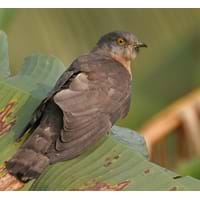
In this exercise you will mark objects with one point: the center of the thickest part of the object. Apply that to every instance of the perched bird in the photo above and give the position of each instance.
(88, 98)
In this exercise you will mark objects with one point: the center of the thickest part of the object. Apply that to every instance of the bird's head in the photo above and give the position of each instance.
(122, 46)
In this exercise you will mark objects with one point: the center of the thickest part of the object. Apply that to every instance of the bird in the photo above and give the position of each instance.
(86, 101)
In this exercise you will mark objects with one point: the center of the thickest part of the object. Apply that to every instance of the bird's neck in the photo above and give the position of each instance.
(125, 63)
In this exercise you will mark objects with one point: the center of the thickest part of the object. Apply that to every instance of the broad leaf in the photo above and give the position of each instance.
(20, 95)
(113, 165)
(4, 62)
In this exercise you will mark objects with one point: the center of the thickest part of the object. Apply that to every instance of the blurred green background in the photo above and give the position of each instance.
(165, 71)
(168, 69)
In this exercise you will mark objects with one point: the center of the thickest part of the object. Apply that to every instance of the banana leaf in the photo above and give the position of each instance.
(4, 61)
(119, 161)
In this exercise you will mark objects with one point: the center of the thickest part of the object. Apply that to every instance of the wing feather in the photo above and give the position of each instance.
(36, 116)
(90, 105)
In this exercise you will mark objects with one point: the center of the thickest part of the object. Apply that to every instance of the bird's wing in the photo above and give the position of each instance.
(90, 106)
(61, 82)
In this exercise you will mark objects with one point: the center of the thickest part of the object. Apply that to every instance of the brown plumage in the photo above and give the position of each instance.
(90, 96)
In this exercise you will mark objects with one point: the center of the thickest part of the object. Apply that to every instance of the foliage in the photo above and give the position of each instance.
(4, 62)
(190, 168)
(6, 16)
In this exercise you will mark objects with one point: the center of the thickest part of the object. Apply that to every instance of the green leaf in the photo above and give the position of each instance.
(38, 74)
(21, 94)
(131, 138)
(112, 165)
(117, 162)
(4, 61)
(6, 16)
(190, 167)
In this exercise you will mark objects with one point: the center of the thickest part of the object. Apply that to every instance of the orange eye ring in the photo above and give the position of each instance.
(121, 41)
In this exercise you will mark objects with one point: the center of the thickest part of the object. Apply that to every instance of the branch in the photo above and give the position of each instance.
(183, 113)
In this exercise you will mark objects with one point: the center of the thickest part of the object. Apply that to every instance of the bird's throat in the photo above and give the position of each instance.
(126, 63)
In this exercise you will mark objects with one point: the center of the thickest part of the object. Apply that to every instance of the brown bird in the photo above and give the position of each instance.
(88, 98)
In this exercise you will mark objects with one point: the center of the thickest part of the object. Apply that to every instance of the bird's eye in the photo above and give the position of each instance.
(120, 41)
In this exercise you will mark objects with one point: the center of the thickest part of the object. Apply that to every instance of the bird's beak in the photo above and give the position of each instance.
(141, 44)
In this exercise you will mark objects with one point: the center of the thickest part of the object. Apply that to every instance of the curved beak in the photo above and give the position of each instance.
(141, 44)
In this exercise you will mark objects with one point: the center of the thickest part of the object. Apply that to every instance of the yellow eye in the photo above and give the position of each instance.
(120, 41)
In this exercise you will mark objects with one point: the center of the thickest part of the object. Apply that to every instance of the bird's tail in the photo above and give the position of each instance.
(27, 164)
(30, 160)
